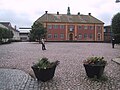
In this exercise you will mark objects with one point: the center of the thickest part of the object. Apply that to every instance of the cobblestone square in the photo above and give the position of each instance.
(69, 75)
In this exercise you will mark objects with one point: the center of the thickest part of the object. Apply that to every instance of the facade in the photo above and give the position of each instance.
(8, 25)
(108, 34)
(69, 27)
(24, 33)
(24, 36)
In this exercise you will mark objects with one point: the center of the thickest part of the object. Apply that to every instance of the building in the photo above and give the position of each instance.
(70, 27)
(107, 33)
(24, 33)
(8, 25)
(24, 36)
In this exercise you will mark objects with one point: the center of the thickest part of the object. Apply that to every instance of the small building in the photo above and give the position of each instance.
(8, 25)
(72, 27)
(24, 34)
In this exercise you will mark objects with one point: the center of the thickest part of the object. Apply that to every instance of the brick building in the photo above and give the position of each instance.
(69, 27)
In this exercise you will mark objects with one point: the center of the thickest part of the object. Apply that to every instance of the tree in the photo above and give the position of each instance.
(38, 31)
(1, 29)
(116, 27)
(5, 34)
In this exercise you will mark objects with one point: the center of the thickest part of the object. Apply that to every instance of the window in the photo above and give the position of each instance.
(85, 36)
(105, 30)
(62, 26)
(91, 36)
(49, 26)
(55, 18)
(91, 27)
(85, 27)
(55, 35)
(61, 35)
(55, 26)
(80, 36)
(49, 35)
(79, 27)
(99, 27)
(71, 28)
(99, 36)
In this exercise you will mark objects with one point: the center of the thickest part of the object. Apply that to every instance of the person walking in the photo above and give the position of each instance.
(43, 44)
(113, 42)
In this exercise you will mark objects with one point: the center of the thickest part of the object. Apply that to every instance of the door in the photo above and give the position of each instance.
(70, 36)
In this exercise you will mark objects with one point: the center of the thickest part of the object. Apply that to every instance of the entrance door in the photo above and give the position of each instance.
(70, 36)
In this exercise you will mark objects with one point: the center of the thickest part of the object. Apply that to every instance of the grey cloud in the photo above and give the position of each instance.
(106, 18)
(20, 20)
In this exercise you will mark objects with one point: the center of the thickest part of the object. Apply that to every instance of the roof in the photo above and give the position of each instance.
(69, 18)
(107, 26)
(2, 26)
(8, 25)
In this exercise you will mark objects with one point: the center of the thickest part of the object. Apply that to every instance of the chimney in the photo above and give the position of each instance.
(89, 14)
(78, 13)
(46, 12)
(15, 27)
(57, 13)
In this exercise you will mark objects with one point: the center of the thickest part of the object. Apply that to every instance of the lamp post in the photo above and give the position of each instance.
(117, 1)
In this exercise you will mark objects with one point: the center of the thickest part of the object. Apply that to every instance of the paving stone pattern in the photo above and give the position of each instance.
(69, 75)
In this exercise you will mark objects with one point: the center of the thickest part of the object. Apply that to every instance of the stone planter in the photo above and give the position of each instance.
(94, 70)
(44, 74)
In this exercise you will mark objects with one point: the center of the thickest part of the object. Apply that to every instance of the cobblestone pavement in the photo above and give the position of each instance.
(12, 79)
(69, 75)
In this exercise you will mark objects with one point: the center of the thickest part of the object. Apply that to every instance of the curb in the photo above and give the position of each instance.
(117, 60)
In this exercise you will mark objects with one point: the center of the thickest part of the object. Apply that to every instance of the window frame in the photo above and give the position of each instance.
(62, 35)
(49, 35)
(49, 26)
(55, 26)
(80, 36)
(55, 35)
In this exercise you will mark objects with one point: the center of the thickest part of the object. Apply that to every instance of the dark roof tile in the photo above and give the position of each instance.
(69, 18)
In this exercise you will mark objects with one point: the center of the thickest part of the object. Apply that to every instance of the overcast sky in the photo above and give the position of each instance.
(23, 13)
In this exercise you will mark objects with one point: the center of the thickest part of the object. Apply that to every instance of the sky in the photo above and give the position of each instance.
(23, 13)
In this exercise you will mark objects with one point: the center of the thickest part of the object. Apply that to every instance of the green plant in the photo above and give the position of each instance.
(44, 63)
(95, 61)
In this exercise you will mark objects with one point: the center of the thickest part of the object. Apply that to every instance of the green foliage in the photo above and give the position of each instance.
(5, 34)
(95, 61)
(116, 27)
(44, 63)
(38, 31)
(116, 24)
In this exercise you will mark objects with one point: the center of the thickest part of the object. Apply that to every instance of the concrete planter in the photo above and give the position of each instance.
(94, 70)
(44, 74)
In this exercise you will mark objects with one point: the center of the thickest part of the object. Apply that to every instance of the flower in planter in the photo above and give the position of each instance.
(95, 61)
(44, 70)
(44, 63)
(94, 66)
